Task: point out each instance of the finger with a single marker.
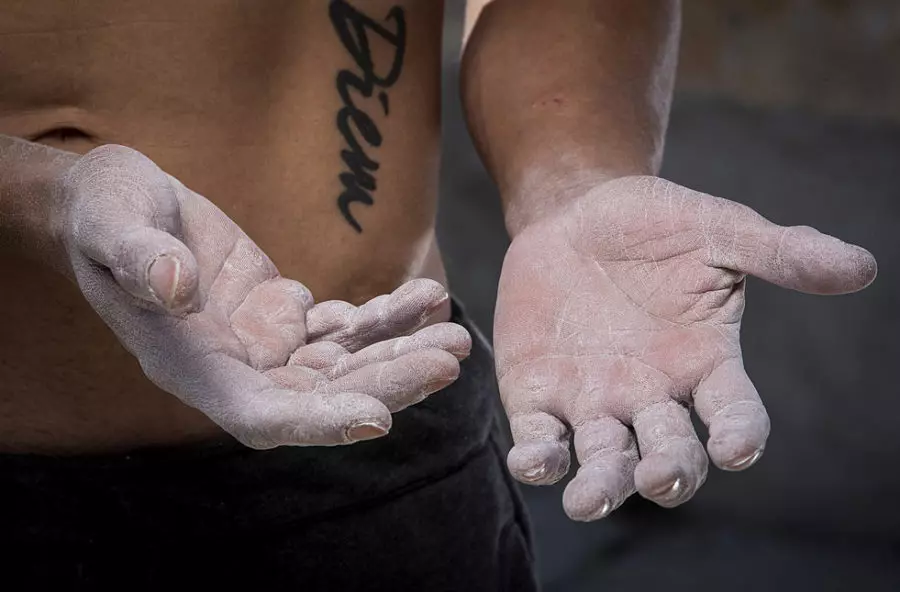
(299, 378)
(271, 322)
(398, 383)
(448, 337)
(727, 402)
(795, 257)
(323, 355)
(404, 381)
(540, 455)
(673, 462)
(258, 413)
(243, 267)
(528, 391)
(608, 456)
(287, 418)
(409, 307)
(125, 217)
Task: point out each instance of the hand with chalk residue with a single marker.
(621, 314)
(212, 322)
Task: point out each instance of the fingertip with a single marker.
(162, 278)
(866, 267)
(428, 289)
(541, 454)
(287, 418)
(852, 267)
(365, 430)
(600, 487)
(459, 340)
(538, 463)
(585, 500)
(364, 417)
(734, 453)
(737, 435)
(172, 279)
(668, 481)
(419, 300)
(299, 291)
(150, 264)
(660, 480)
(823, 264)
(450, 337)
(736, 463)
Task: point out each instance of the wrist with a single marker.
(33, 201)
(544, 192)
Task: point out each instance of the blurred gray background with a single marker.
(791, 107)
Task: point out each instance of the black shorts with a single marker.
(430, 507)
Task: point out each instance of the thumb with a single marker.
(125, 216)
(795, 257)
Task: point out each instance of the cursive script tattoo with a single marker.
(357, 128)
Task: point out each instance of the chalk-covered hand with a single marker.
(212, 322)
(620, 314)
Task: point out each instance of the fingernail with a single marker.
(676, 487)
(365, 431)
(745, 462)
(437, 385)
(603, 511)
(436, 304)
(670, 490)
(162, 277)
(535, 473)
(461, 354)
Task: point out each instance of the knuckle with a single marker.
(122, 175)
(92, 165)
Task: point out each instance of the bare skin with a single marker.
(238, 102)
(621, 296)
(638, 324)
(307, 133)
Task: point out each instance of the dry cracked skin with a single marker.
(616, 317)
(212, 322)
(621, 314)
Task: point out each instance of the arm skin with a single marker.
(620, 301)
(560, 96)
(32, 201)
(205, 311)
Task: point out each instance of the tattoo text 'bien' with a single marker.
(358, 129)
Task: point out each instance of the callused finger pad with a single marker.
(584, 502)
(670, 479)
(539, 463)
(588, 497)
(823, 264)
(737, 435)
(601, 487)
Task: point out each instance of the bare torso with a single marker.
(240, 100)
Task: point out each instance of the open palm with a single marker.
(620, 314)
(212, 322)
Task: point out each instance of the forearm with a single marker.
(560, 96)
(31, 200)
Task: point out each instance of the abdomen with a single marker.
(240, 100)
